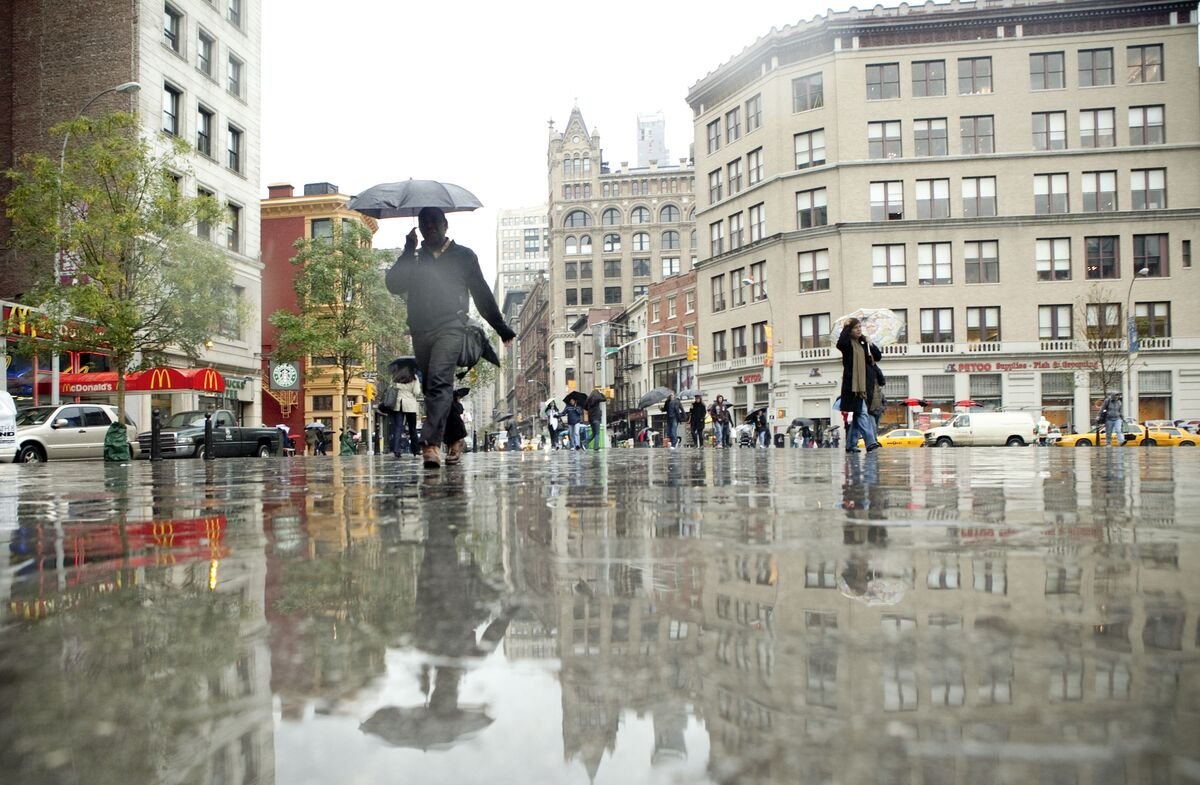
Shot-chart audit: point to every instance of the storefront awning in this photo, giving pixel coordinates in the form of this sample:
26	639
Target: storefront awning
148	381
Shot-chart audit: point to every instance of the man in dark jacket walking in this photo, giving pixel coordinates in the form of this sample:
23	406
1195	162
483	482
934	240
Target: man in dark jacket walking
858	384
696	420
674	411
438	283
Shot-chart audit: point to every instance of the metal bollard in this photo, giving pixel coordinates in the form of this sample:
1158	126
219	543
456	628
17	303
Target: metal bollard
208	436
156	435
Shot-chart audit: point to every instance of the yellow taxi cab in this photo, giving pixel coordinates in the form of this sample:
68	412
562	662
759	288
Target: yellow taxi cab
1135	436
900	437
1171	437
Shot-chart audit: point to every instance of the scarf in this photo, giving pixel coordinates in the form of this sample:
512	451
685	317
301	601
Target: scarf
858	374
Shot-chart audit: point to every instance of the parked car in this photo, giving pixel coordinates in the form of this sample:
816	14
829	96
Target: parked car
900	437
985	429
1171	437
1135	436
182	436
73	430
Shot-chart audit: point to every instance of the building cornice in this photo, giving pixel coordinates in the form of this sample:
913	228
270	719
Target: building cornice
313	206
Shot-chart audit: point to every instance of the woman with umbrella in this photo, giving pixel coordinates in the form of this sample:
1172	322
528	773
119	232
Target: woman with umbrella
404	381
858	384
674	411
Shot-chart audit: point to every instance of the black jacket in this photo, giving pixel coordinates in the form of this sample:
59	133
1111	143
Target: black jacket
849	402
438	289
698	413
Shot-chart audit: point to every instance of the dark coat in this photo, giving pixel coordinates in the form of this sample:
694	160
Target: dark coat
574	414
849	403
673	408
697	415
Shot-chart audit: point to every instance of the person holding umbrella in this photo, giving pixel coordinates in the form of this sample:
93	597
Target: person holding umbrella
404	382
858	384
438	282
574	415
719	412
674	412
696	420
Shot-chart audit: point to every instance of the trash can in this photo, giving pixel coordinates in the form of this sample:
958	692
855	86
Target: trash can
781	440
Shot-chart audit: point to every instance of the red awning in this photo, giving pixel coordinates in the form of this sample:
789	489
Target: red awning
152	380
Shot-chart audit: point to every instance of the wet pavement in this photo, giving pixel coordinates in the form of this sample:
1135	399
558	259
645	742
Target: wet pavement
740	616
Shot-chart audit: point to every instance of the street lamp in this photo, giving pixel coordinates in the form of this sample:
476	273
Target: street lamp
770	336
1131	338
124	87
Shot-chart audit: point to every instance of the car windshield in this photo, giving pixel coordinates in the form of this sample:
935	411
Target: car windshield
185	419
36	415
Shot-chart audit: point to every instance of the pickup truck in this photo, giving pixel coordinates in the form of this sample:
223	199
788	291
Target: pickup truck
182	436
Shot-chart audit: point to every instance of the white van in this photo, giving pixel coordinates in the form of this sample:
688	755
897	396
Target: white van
985	429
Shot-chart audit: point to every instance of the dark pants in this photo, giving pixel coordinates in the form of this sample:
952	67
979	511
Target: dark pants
437	358
407	420
455	427
698	436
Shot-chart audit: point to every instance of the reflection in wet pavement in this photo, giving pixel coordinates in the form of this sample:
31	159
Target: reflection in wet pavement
923	616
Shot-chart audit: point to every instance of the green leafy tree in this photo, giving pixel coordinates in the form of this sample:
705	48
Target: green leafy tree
136	280
344	311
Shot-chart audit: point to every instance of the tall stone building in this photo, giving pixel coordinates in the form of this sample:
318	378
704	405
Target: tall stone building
612	234
1014	179
197	64
522	254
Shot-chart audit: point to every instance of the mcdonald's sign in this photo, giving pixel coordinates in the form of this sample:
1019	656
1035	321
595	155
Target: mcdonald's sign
160	379
210	381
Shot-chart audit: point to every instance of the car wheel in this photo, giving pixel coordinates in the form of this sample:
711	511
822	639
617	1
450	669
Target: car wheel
200	453
945	441
264	451
31	453
1083	443
1015	441
1148	443
1187	444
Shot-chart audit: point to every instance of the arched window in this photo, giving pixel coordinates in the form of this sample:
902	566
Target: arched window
578	191
692	215
693	239
566	167
587	190
585	244
611	217
587	166
612	243
578	166
641	241
669	214
640	215
670	241
572	245
577	218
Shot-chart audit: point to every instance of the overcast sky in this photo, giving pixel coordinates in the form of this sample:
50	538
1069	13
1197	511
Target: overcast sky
360	92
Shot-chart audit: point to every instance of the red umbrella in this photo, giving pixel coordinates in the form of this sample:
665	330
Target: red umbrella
968	404
915	402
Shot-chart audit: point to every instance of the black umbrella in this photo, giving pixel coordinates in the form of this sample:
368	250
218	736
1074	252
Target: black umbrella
595	398
407	198
657	395
801	422
504	417
461	392
423	727
577	396
407	360
690	393
752	414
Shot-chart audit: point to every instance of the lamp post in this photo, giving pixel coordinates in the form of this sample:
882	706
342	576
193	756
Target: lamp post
124	87
770	336
1131	338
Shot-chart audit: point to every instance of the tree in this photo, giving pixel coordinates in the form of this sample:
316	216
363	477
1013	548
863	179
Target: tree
1098	315
136	281
344	311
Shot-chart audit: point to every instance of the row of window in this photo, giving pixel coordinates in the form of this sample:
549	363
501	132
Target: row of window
206	128
669	241
672	306
640	268
757	225
611	216
733	123
175	38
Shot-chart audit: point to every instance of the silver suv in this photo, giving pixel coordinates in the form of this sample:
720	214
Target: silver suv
73	430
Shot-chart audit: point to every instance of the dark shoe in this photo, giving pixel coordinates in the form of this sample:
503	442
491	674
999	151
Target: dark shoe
852	449
431	456
454	452
874	447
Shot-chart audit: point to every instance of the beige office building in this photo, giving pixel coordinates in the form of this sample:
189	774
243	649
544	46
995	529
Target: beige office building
998	173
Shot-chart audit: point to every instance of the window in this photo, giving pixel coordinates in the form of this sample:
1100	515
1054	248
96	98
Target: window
937	325
1047	71
641	290
887	200
233	12
1187	253
1099	192
714	186
670	266
883	139
983	325
754	113
1150	253
612	295
718	293
1153	319
929	78
612	268
170	109
1050	194
1049	130
572	297
1148	189
754	165
807	93
930	137
203	228
979	197
716	236
982	260
641	241
577	219
233	230
758	338
611	217
1095	67
714	136
1146	125
810	150
640	215
204	130
612	243
1097	128
977	134
571	271
933	264
974	75
758	274
1054	259
718	344
1103	320
235	149
204	54
887	265
1144	63
235	76
585	295
173	28
641	268
738	339
585	245
933	198
814	270
811	208
758	222
670	240
585	270
736	234
734	170
1054	322
321	229
669	214
814	330
689	303
737	289
883	81
733	124
1103	260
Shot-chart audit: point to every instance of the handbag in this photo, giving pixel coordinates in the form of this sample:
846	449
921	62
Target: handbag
476	347
391	398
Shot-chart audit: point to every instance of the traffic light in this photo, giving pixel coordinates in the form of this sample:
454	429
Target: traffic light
370	392
693	352
356	408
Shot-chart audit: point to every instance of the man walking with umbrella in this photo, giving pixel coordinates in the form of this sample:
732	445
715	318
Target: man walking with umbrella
438	281
696	419
858	384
